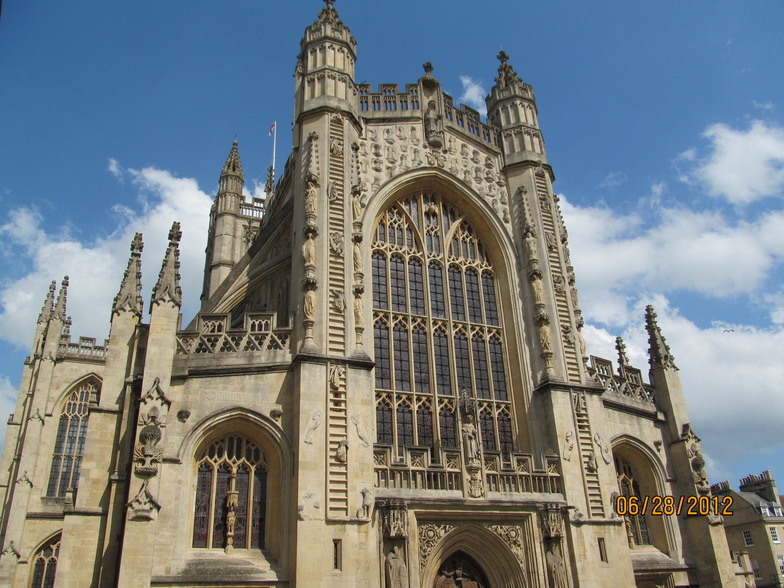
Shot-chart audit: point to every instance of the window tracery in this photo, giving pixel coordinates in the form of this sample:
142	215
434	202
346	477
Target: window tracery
45	564
628	484
436	327
69	443
231	494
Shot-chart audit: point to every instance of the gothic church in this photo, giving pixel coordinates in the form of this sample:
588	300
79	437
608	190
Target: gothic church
386	384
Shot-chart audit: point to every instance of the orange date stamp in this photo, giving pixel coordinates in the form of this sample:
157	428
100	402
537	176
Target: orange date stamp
660	506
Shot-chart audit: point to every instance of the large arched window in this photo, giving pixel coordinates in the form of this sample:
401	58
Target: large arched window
629	486
231	494
45	564
69	443
437	329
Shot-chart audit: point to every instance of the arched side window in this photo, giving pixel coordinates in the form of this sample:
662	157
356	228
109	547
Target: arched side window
45	564
231	494
69	443
629	486
437	329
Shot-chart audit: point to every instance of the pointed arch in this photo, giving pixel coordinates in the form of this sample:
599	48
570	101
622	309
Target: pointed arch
44	560
484	547
71	434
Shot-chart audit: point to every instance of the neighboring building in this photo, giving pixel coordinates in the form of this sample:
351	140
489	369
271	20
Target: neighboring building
757	526
386	385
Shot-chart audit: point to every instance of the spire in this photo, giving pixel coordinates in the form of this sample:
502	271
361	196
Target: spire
659	351
168	287
623	360
329	14
129	298
233	165
48	307
507	76
59	307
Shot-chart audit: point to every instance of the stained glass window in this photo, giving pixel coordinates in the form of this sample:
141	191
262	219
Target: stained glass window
45	564
69	443
232	465
629	486
437	332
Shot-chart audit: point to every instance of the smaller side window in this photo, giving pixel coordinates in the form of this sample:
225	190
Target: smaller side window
747	540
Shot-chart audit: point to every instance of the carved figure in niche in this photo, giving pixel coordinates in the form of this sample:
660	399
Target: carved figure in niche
336	146
356	204
530	241
477	174
604	449
309	250
357	255
538	291
373	135
451	143
568	337
431	157
396	571
581	339
401	134
341	453
433	126
391	154
363	438
568	446
389	135
544	338
358	323
315	421
558	284
309	304
336	243
459	571
332	192
363	512
403	159
475	486
335	373
575	297
555	566
550	238
453	167
378	164
339	300
311	192
470	441
417	158
377	150
414	135
593	465
467	175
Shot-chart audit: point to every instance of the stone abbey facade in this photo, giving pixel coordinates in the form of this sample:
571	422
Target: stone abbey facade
386	384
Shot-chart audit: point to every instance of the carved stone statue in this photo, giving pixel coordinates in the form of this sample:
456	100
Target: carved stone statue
544	337
311	192
357	254
309	305
433	128
555	567
309	250
536	284
358	311
356	204
396	571
470	442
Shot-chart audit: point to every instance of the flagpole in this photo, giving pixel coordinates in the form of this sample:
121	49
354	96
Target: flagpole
274	143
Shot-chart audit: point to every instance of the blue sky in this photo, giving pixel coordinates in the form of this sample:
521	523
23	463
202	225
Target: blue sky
663	122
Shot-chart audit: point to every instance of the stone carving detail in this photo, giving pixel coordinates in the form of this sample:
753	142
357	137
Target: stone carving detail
568	446
143	506
129	298
311	197
339	300
551	522
336	147
429	536
556	568
167	289
696	460
11	550
396	570
336	372
366	506
604	448
341	453
148	453
336	243
361	433
332	191
434	126
308	509
394	519
315	421
512	535
475	485
37	416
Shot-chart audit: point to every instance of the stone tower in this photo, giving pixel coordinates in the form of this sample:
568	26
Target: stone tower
386	384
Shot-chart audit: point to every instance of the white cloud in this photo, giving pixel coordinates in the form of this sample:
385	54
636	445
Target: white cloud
613	180
743	166
763	105
658	189
727	377
114	168
96	268
473	94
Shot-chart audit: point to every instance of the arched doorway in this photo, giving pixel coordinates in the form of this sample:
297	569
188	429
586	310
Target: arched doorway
460	571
